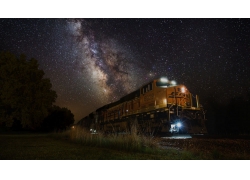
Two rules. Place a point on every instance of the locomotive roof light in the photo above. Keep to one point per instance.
(173, 83)
(163, 82)
(164, 79)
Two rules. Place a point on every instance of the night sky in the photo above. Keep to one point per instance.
(92, 62)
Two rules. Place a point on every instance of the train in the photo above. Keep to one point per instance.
(158, 107)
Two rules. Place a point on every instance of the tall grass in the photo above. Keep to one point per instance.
(127, 142)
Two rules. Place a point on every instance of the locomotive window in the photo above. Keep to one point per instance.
(147, 88)
(150, 87)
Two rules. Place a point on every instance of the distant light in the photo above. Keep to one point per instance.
(178, 124)
(183, 90)
(173, 82)
(163, 79)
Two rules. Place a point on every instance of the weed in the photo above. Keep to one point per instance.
(128, 141)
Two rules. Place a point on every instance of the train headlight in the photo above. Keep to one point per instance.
(183, 90)
(178, 124)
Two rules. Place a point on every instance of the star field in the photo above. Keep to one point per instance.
(92, 62)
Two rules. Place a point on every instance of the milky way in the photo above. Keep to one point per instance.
(92, 62)
(107, 65)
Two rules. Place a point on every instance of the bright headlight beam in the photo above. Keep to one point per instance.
(178, 124)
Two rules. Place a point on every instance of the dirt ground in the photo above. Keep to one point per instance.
(211, 147)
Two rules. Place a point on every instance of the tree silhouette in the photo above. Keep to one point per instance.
(58, 119)
(25, 95)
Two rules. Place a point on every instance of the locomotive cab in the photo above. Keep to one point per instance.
(185, 114)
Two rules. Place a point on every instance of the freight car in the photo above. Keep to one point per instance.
(160, 106)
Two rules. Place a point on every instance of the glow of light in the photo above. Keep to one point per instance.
(173, 82)
(165, 101)
(163, 79)
(183, 90)
(178, 124)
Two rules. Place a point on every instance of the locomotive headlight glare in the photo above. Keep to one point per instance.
(183, 90)
(178, 124)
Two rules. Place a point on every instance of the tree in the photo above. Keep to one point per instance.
(25, 95)
(58, 119)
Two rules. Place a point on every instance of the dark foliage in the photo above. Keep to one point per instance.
(25, 95)
(58, 119)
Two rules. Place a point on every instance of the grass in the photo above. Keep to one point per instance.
(60, 147)
(45, 147)
(130, 142)
(80, 145)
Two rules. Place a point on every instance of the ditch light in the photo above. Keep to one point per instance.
(178, 124)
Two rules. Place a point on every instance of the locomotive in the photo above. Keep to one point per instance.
(158, 107)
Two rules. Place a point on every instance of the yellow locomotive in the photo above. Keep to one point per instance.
(160, 106)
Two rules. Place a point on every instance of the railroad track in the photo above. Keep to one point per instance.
(210, 136)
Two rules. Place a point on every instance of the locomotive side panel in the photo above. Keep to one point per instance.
(160, 98)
